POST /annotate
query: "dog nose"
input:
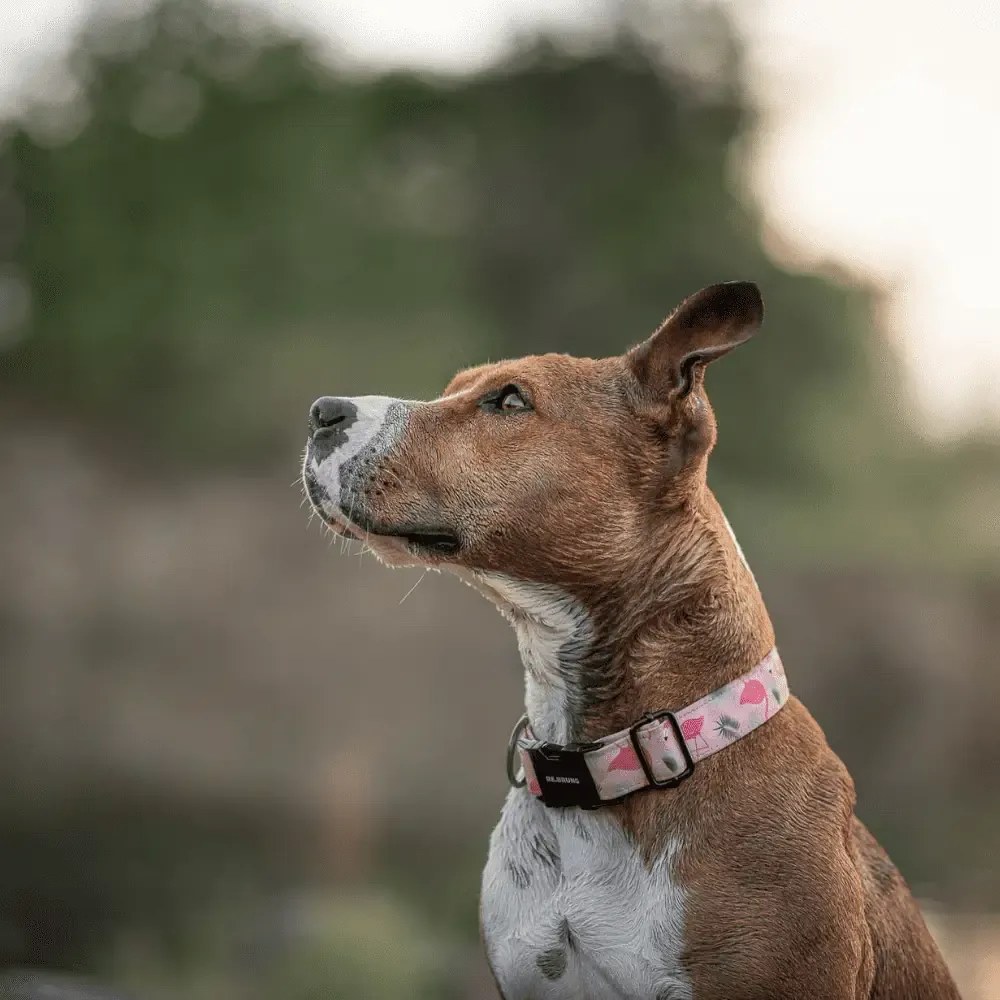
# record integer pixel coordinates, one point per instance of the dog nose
(328, 411)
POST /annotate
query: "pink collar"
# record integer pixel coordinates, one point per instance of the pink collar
(660, 750)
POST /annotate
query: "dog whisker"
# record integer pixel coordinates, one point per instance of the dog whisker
(414, 587)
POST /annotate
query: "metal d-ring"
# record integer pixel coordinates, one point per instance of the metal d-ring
(522, 724)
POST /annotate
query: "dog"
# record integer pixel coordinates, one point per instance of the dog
(678, 827)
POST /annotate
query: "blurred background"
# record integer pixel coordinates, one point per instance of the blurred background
(211, 213)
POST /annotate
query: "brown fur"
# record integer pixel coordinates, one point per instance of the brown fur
(600, 489)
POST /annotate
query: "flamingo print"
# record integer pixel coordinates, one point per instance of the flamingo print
(625, 760)
(691, 728)
(754, 693)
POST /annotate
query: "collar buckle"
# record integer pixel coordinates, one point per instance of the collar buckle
(633, 734)
(563, 775)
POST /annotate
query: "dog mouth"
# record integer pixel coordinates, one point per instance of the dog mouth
(435, 541)
(420, 541)
(419, 538)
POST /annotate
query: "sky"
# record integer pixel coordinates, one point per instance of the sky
(879, 148)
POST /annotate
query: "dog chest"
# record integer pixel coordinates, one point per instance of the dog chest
(569, 909)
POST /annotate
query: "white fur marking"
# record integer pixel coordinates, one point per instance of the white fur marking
(618, 923)
(553, 631)
(371, 415)
(569, 908)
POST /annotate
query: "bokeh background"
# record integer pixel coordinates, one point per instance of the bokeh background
(235, 762)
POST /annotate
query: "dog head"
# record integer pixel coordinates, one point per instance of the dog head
(549, 469)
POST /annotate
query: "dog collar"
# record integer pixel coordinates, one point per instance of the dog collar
(658, 751)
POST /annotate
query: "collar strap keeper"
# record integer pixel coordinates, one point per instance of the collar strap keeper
(658, 751)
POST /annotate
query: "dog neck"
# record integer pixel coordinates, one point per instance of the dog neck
(685, 618)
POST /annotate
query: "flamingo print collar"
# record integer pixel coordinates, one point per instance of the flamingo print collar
(660, 750)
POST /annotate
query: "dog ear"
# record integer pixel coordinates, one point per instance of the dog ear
(703, 327)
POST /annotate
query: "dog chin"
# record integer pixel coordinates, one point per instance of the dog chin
(410, 545)
(394, 551)
(400, 545)
(390, 551)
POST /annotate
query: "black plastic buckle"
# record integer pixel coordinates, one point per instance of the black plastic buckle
(685, 753)
(563, 775)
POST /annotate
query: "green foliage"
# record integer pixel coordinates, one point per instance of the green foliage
(236, 229)
(367, 947)
(169, 896)
(334, 945)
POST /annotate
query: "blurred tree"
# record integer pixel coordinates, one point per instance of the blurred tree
(217, 226)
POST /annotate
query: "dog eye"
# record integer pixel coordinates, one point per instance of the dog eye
(508, 400)
(511, 399)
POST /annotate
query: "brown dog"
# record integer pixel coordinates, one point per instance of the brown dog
(571, 492)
